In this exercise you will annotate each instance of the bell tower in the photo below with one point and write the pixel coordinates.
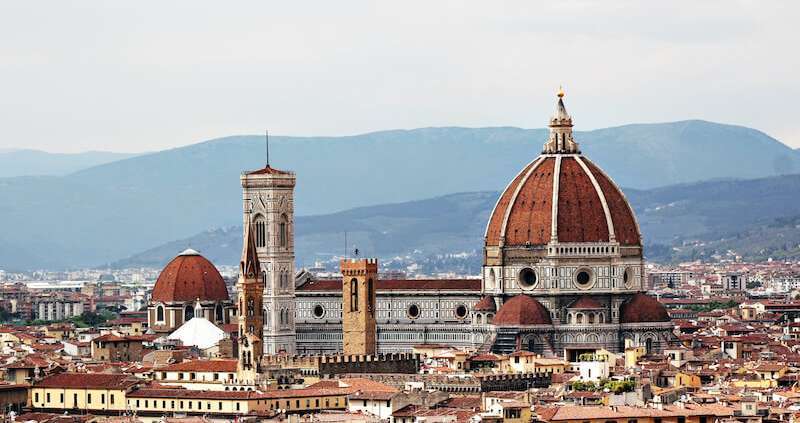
(268, 202)
(251, 322)
(359, 277)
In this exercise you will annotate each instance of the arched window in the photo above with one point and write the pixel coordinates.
(160, 313)
(219, 314)
(260, 230)
(370, 297)
(579, 318)
(648, 344)
(283, 236)
(354, 294)
(251, 308)
(188, 313)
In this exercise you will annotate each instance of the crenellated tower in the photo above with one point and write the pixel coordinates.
(359, 279)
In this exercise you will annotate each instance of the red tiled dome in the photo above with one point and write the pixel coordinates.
(187, 277)
(524, 213)
(485, 304)
(522, 310)
(642, 308)
(586, 303)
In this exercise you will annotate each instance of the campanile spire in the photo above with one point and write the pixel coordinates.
(560, 140)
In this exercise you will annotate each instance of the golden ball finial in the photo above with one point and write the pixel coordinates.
(560, 91)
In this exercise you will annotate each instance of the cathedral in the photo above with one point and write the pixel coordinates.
(563, 274)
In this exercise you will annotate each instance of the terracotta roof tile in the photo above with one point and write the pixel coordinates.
(87, 380)
(188, 277)
(522, 310)
(399, 285)
(226, 366)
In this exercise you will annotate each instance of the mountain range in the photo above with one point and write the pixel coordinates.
(103, 213)
(24, 162)
(755, 218)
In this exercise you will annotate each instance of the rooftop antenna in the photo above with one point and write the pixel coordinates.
(267, 146)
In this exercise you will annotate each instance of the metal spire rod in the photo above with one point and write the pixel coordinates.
(267, 146)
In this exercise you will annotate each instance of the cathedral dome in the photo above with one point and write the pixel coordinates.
(642, 308)
(188, 277)
(522, 310)
(485, 304)
(561, 196)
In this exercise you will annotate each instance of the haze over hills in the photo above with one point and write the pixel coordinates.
(18, 162)
(756, 218)
(100, 214)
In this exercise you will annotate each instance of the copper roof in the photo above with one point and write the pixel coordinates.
(188, 277)
(522, 310)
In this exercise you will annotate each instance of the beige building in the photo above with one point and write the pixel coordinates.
(212, 375)
(81, 391)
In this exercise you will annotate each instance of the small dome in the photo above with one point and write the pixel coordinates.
(198, 332)
(586, 303)
(522, 310)
(188, 277)
(642, 308)
(485, 304)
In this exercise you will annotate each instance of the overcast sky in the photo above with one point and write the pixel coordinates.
(148, 75)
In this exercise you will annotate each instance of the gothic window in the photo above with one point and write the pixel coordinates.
(188, 313)
(250, 307)
(261, 231)
(160, 313)
(649, 345)
(264, 277)
(370, 297)
(219, 313)
(354, 294)
(283, 236)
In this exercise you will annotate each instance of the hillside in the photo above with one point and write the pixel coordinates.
(35, 162)
(755, 218)
(100, 214)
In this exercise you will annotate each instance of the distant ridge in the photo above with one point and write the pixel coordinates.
(99, 214)
(23, 162)
(756, 219)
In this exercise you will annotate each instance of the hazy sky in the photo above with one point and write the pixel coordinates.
(147, 75)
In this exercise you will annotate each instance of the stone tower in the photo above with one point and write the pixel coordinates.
(251, 322)
(359, 278)
(268, 197)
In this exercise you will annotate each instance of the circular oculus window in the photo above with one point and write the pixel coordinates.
(413, 311)
(584, 279)
(461, 311)
(628, 279)
(527, 278)
(319, 311)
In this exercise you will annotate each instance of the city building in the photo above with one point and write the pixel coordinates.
(563, 274)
